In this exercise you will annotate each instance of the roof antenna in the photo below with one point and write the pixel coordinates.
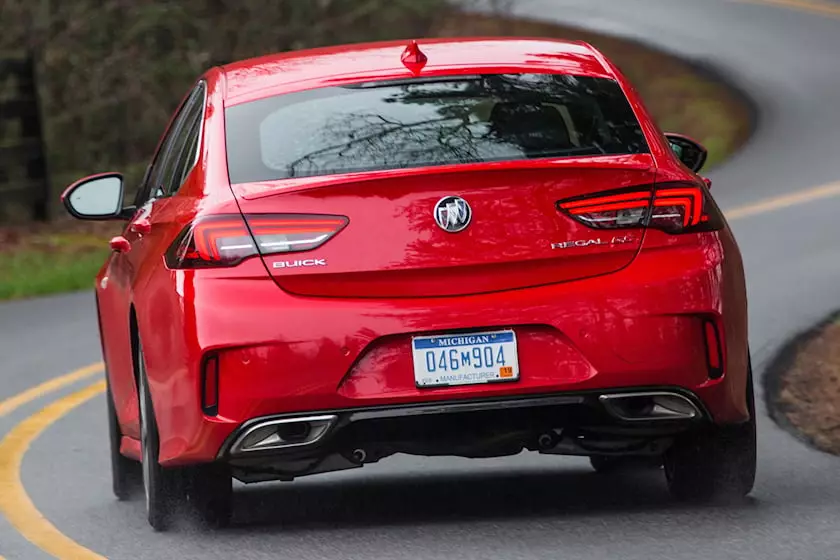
(413, 58)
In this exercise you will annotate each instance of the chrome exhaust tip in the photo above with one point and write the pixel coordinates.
(283, 434)
(659, 405)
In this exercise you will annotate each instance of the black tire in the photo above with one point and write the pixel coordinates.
(126, 474)
(210, 494)
(163, 487)
(716, 464)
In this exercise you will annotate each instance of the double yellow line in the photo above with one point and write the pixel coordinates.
(15, 503)
(9, 405)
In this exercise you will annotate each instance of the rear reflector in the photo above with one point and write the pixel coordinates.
(714, 350)
(210, 386)
(226, 240)
(672, 207)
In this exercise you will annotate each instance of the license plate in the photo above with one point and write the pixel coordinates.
(465, 359)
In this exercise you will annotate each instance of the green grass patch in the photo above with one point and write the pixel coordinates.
(49, 262)
(32, 273)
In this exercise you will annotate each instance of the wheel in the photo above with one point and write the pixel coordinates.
(126, 476)
(210, 494)
(718, 463)
(163, 487)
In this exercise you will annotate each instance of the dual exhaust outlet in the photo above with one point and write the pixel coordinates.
(305, 431)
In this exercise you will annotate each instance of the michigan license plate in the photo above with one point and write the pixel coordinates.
(465, 359)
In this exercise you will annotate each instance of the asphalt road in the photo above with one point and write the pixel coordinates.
(527, 506)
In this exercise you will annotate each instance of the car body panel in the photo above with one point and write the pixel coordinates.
(409, 255)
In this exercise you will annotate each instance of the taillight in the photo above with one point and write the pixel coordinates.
(226, 240)
(672, 207)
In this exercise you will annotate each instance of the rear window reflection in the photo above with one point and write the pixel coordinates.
(392, 125)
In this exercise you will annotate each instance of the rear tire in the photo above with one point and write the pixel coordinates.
(718, 463)
(126, 474)
(163, 487)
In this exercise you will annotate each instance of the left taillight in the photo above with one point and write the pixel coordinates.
(226, 240)
(671, 207)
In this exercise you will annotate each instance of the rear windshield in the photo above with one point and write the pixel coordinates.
(418, 123)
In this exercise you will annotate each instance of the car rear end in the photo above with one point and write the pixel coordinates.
(465, 264)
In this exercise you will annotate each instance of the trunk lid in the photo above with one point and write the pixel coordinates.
(393, 247)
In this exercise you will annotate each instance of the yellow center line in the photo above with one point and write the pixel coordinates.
(815, 7)
(812, 6)
(15, 503)
(784, 201)
(10, 404)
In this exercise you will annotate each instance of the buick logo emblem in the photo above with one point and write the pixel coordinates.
(452, 214)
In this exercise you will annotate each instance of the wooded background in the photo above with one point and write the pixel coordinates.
(110, 72)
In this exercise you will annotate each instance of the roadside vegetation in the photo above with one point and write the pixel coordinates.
(805, 388)
(49, 259)
(110, 74)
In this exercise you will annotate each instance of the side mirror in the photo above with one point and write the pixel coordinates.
(98, 197)
(691, 153)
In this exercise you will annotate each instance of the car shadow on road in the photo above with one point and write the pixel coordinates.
(451, 498)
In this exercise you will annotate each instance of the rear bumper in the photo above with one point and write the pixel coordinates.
(279, 354)
(662, 410)
(635, 422)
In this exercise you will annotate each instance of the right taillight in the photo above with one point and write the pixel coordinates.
(226, 240)
(671, 207)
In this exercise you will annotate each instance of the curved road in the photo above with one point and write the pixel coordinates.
(787, 56)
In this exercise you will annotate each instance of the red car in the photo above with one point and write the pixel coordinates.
(467, 247)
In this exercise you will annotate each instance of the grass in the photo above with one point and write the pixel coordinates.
(64, 257)
(50, 260)
(33, 273)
